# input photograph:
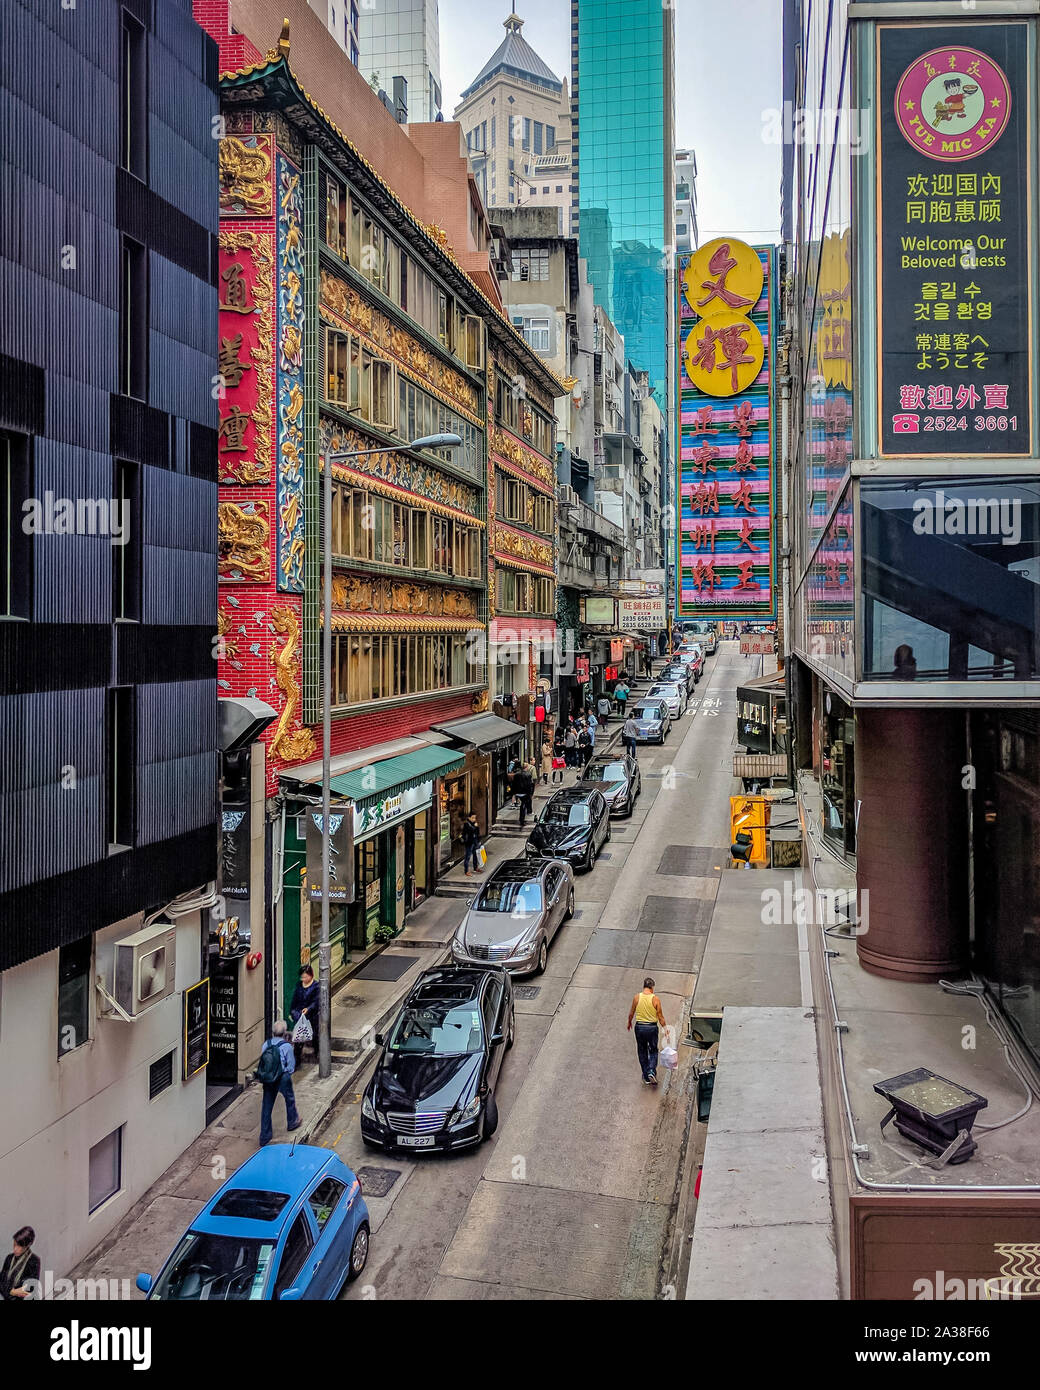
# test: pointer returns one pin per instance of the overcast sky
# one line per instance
(727, 71)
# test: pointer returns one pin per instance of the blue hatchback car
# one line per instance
(290, 1224)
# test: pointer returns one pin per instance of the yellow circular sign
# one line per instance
(723, 354)
(723, 274)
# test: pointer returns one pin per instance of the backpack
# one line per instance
(270, 1067)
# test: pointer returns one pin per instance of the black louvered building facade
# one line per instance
(108, 337)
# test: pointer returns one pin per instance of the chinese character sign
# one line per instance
(726, 317)
(954, 253)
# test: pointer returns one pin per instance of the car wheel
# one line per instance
(358, 1252)
(511, 1035)
(543, 958)
(570, 906)
(490, 1117)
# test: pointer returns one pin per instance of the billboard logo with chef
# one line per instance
(953, 103)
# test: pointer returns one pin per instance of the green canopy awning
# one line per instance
(374, 780)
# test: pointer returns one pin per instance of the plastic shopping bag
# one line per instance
(303, 1032)
(482, 856)
(668, 1056)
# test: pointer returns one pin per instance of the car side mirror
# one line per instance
(144, 1282)
(292, 1295)
(497, 1038)
(380, 1040)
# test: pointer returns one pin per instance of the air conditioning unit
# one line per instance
(145, 968)
(568, 497)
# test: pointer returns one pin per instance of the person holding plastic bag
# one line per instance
(471, 843)
(648, 1016)
(303, 1014)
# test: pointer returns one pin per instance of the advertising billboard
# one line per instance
(954, 190)
(726, 316)
(641, 614)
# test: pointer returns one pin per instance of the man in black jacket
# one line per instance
(21, 1269)
(523, 786)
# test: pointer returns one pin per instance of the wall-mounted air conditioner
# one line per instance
(145, 968)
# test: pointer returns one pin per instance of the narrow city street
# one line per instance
(575, 1194)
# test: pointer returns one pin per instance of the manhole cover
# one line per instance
(377, 1182)
(692, 861)
(526, 991)
(605, 855)
(684, 916)
(385, 967)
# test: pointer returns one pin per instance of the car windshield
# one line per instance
(510, 895)
(221, 1267)
(608, 772)
(438, 1027)
(650, 712)
(566, 813)
(664, 690)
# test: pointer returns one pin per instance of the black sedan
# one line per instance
(619, 780)
(433, 1086)
(574, 825)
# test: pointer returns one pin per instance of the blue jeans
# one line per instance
(646, 1042)
(471, 854)
(271, 1092)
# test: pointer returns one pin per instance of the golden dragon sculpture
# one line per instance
(290, 746)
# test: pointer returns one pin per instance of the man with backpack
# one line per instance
(274, 1072)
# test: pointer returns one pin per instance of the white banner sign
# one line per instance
(641, 614)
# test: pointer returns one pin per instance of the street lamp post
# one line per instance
(429, 441)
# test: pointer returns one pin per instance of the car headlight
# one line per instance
(367, 1108)
(458, 946)
(468, 1112)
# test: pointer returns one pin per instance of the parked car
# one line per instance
(573, 825)
(676, 672)
(653, 720)
(618, 778)
(711, 642)
(434, 1083)
(673, 694)
(290, 1224)
(516, 914)
(694, 658)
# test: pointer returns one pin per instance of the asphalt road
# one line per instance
(575, 1195)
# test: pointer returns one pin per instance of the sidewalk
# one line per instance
(361, 1008)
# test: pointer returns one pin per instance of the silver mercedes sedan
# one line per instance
(515, 916)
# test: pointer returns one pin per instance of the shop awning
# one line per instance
(374, 780)
(485, 731)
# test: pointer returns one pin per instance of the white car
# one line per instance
(673, 695)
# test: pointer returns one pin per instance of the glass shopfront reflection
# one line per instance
(828, 603)
(838, 774)
(951, 579)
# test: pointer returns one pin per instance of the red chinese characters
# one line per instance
(743, 459)
(720, 265)
(705, 498)
(731, 340)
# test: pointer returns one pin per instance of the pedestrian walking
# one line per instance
(621, 697)
(592, 724)
(305, 1000)
(648, 663)
(558, 741)
(629, 735)
(21, 1269)
(471, 841)
(649, 1016)
(570, 745)
(547, 762)
(275, 1072)
(603, 709)
(584, 746)
(524, 783)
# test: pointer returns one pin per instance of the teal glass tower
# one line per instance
(622, 202)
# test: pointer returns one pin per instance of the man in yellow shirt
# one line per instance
(649, 1016)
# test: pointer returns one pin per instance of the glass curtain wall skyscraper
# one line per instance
(622, 107)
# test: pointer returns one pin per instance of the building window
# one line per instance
(367, 527)
(473, 338)
(160, 1076)
(74, 979)
(372, 666)
(530, 263)
(526, 142)
(126, 543)
(550, 137)
(539, 130)
(543, 599)
(337, 367)
(542, 514)
(106, 1169)
(133, 321)
(492, 132)
(513, 499)
(15, 543)
(119, 766)
(559, 188)
(133, 98)
(337, 216)
(536, 331)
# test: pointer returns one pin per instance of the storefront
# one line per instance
(837, 770)
(486, 744)
(390, 839)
